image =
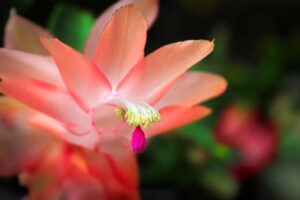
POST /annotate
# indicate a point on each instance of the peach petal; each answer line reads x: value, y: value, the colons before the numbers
x: 193, y: 88
x: 61, y: 174
x: 173, y: 117
x: 151, y: 77
x: 20, y: 147
x: 21, y: 34
x: 16, y: 64
x: 49, y: 99
x: 121, y: 44
x: 81, y: 186
x: 149, y: 9
x: 33, y: 80
x: 54, y: 127
x: 120, y: 180
x: 85, y: 81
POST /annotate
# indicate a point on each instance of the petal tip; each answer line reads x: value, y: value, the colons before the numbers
x: 224, y: 85
x: 13, y: 12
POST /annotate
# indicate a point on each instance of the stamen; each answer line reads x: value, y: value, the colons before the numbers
x: 138, y: 114
x: 138, y: 140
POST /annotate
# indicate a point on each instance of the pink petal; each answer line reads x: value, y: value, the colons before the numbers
x: 193, y: 88
x: 20, y: 146
x: 44, y: 123
x: 16, y: 64
x: 151, y: 78
x: 116, y: 166
x: 121, y: 44
x: 49, y: 99
x: 33, y: 80
x: 23, y: 35
x: 106, y: 121
x: 173, y: 117
x: 85, y: 81
x: 62, y: 174
x: 149, y: 9
x: 81, y: 186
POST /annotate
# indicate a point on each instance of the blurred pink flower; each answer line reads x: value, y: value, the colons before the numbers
x: 112, y: 89
x: 53, y: 169
x: 254, y: 137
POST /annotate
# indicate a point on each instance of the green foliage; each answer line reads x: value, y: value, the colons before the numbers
x: 70, y: 24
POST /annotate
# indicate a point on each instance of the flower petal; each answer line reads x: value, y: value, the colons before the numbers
x: 85, y: 81
x: 116, y: 166
x: 149, y: 9
x: 63, y: 175
x: 173, y: 117
x: 17, y: 64
x: 81, y: 186
x: 50, y: 125
x: 49, y: 99
x: 20, y: 146
x: 193, y: 88
x: 23, y: 35
x: 155, y: 73
x: 122, y: 43
x: 33, y: 80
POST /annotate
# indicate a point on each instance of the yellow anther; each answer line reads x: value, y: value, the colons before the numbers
x: 138, y: 114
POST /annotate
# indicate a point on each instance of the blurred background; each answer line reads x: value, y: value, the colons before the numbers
x: 249, y: 148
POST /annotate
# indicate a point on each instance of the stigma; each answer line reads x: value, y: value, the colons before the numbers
x: 138, y: 140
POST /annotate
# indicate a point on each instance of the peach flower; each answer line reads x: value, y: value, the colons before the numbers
x: 111, y: 92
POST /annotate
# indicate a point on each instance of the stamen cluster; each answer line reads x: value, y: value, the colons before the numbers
x: 140, y: 114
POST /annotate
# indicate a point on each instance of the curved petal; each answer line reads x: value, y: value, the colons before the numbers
x: 106, y: 121
x: 117, y: 169
x: 89, y: 140
x: 81, y: 186
x: 49, y: 99
x: 153, y: 75
x: 20, y: 146
x: 16, y: 64
x: 121, y: 44
x: 75, y: 185
x: 193, y: 88
x: 33, y: 80
x: 85, y: 81
x: 63, y: 175
x: 149, y: 9
x: 173, y: 117
x: 23, y: 35
x: 113, y: 164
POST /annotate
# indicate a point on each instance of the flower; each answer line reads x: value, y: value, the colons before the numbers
x: 53, y: 169
x: 254, y: 137
x: 111, y: 91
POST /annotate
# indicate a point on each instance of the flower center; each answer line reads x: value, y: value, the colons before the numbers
x: 138, y: 115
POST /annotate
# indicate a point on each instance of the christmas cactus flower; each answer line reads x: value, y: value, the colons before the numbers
x: 111, y: 91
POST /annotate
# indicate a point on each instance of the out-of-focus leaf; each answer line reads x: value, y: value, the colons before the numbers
x: 220, y: 183
x: 283, y: 178
x: 272, y: 63
x: 70, y: 24
x: 201, y: 134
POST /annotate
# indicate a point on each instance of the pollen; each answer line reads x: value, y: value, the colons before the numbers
x: 138, y: 114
